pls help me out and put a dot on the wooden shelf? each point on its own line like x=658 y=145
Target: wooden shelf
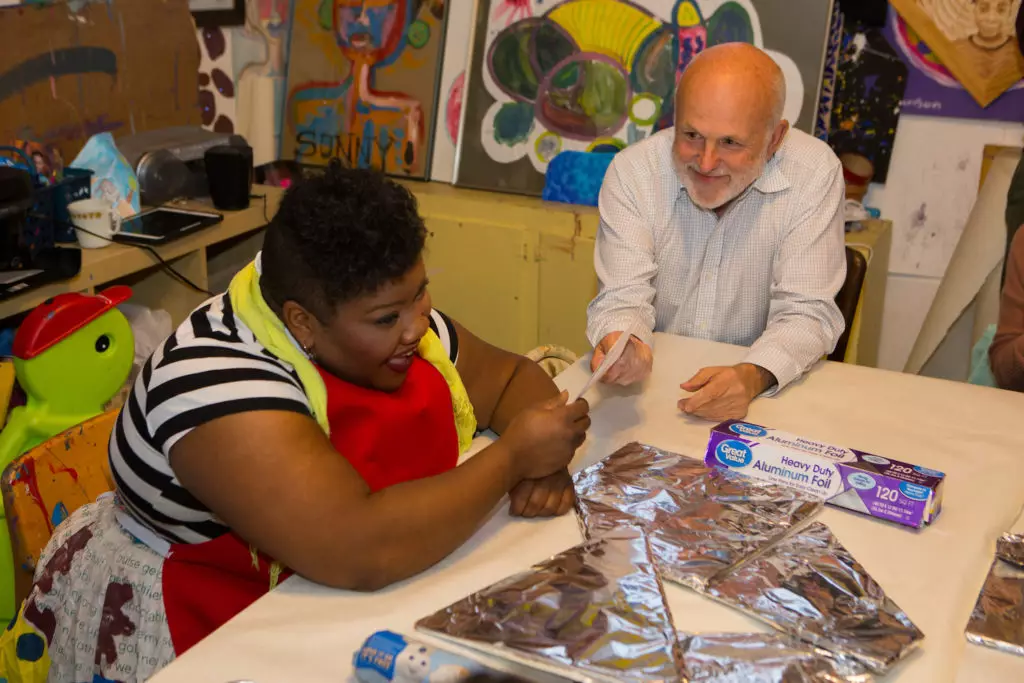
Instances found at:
x=153 y=286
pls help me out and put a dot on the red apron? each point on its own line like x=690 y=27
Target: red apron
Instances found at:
x=389 y=438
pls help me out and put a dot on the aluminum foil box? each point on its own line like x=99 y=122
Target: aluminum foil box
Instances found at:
x=870 y=484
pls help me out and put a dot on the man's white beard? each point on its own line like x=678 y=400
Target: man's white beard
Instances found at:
x=734 y=189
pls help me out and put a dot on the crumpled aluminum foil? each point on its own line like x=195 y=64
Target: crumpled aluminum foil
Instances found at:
x=700 y=522
x=597 y=609
x=1010 y=548
x=811 y=587
x=997 y=620
x=762 y=658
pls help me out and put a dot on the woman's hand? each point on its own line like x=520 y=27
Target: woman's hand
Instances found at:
x=551 y=496
x=543 y=439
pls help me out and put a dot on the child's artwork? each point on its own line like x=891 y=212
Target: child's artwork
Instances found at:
x=974 y=39
x=363 y=81
x=597 y=75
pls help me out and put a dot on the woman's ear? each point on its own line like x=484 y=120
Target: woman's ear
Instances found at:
x=301 y=323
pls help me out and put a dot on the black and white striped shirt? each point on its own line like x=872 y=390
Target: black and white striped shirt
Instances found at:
x=210 y=367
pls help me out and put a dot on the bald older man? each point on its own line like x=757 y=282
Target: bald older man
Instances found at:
x=729 y=228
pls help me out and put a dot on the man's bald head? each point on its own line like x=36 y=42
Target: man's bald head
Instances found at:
x=729 y=107
x=745 y=70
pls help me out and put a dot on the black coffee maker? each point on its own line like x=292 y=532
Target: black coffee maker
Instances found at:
x=16 y=199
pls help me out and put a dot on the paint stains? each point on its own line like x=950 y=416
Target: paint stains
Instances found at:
x=114 y=622
x=43 y=619
x=962 y=165
x=27 y=475
x=63 y=469
x=60 y=562
x=919 y=218
x=60 y=513
x=513 y=123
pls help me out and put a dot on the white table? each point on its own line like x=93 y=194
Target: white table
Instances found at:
x=306 y=632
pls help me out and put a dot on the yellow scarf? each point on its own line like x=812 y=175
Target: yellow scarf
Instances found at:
x=248 y=303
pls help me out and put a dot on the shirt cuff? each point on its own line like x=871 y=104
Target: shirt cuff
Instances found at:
x=619 y=323
x=776 y=361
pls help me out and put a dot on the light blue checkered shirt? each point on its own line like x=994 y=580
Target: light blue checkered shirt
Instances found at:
x=765 y=275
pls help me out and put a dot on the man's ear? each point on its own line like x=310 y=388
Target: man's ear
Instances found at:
x=301 y=323
x=778 y=135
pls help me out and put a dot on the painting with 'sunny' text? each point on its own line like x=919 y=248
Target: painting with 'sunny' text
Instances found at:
x=548 y=76
x=363 y=81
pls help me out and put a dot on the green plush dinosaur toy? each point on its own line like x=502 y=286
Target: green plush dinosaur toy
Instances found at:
x=72 y=353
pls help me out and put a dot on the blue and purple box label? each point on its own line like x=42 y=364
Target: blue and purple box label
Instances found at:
x=870 y=484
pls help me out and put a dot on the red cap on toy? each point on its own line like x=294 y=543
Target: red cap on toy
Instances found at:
x=57 y=318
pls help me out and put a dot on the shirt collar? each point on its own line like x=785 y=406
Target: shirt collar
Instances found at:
x=772 y=179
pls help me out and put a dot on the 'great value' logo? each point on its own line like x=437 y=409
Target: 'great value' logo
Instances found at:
x=744 y=429
x=733 y=453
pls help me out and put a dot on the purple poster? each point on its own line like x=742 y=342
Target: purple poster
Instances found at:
x=932 y=90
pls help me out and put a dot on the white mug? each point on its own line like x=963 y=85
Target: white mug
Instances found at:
x=95 y=222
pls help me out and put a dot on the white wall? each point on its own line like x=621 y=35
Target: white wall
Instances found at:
x=931 y=187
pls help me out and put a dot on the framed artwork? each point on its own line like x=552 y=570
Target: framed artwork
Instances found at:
x=458 y=44
x=872 y=82
x=363 y=80
x=548 y=76
x=931 y=88
x=974 y=40
x=214 y=13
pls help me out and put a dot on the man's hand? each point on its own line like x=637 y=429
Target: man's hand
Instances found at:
x=724 y=393
x=551 y=496
x=634 y=365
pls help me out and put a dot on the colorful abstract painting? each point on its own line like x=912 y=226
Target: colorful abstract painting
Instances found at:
x=871 y=83
x=363 y=81
x=596 y=75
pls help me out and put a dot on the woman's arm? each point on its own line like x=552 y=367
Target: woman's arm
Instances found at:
x=500 y=384
x=274 y=478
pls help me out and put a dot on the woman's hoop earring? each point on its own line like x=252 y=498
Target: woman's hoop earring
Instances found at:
x=308 y=350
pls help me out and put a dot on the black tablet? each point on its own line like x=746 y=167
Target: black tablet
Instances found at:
x=163 y=224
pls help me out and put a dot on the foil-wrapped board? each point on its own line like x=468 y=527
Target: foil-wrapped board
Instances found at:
x=997 y=620
x=596 y=612
x=700 y=521
x=809 y=586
